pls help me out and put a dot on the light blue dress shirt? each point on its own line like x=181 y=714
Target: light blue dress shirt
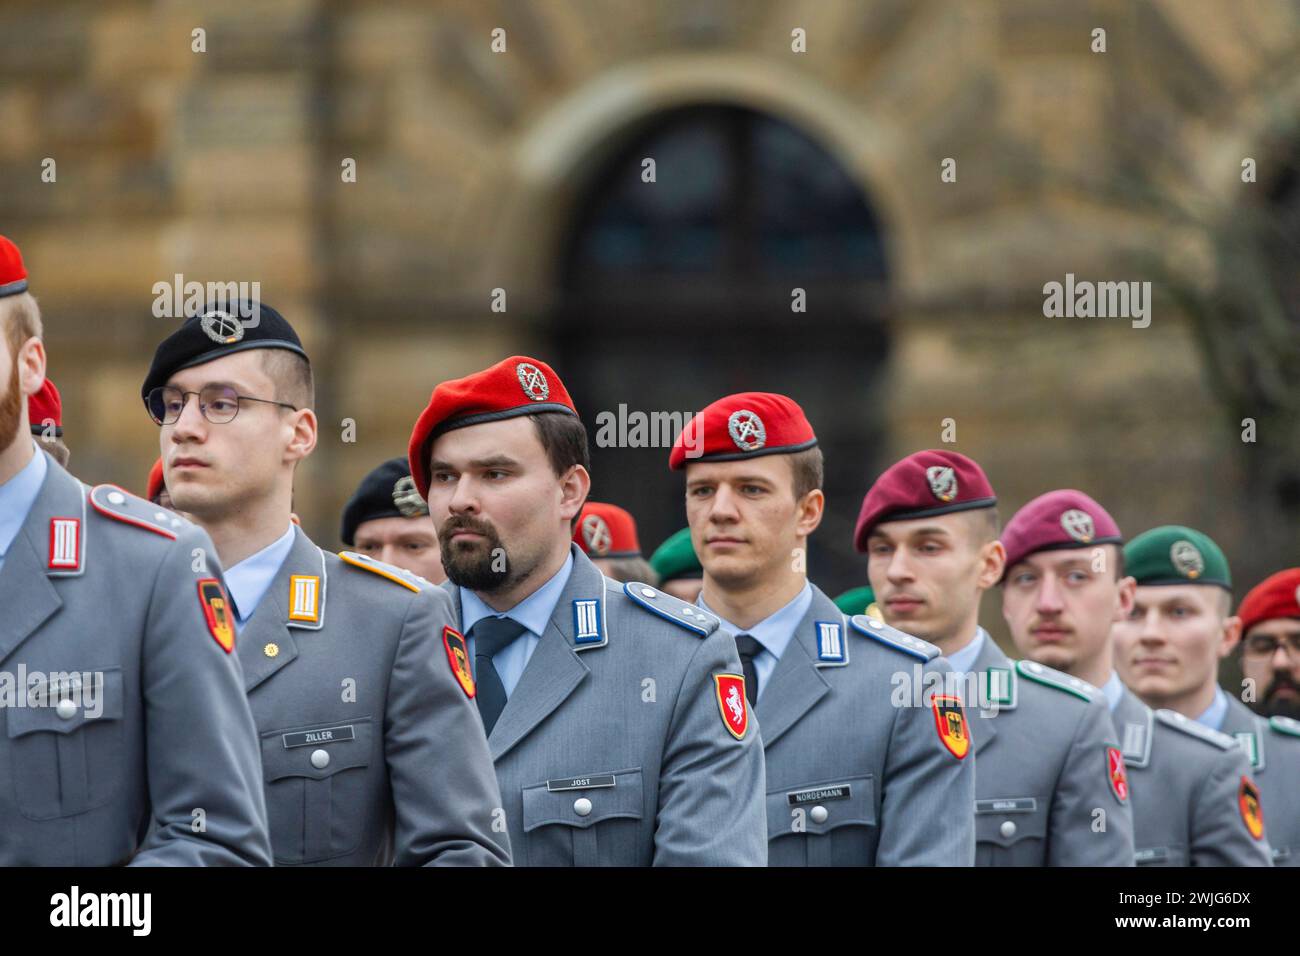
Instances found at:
x=773 y=633
x=17 y=495
x=963 y=660
x=533 y=612
x=248 y=580
x=1213 y=715
x=1114 y=691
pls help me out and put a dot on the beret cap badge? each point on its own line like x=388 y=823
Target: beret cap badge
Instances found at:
x=943 y=482
x=1187 y=559
x=222 y=327
x=746 y=430
x=1078 y=525
x=533 y=381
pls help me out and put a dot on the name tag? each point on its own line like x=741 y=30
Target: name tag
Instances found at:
x=580 y=783
x=1155 y=854
x=841 y=791
x=323 y=735
x=1009 y=805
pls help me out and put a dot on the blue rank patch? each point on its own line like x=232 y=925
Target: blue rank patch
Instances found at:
x=587 y=622
x=830 y=642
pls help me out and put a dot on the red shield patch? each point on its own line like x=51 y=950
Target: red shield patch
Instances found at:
x=216 y=611
x=458 y=657
x=950 y=721
x=732 y=703
x=1117 y=774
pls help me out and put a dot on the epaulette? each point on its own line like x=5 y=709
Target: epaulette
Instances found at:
x=115 y=502
x=684 y=615
x=1050 y=677
x=1285 y=725
x=882 y=633
x=1171 y=718
x=407 y=579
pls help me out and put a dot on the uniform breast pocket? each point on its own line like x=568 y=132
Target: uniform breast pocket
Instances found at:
x=1161 y=856
x=830 y=823
x=315 y=788
x=1010 y=831
x=67 y=744
x=588 y=820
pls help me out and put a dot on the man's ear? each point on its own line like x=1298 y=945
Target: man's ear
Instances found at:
x=574 y=488
x=1231 y=635
x=31 y=367
x=810 y=509
x=1127 y=596
x=304 y=437
x=993 y=559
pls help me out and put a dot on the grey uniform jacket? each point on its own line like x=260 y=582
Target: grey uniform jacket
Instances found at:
x=149 y=753
x=613 y=748
x=1186 y=790
x=858 y=775
x=1043 y=783
x=371 y=752
x=1273 y=746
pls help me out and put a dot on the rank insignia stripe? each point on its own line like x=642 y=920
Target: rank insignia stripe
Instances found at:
x=304 y=598
x=458 y=658
x=216 y=612
x=588 y=623
x=732 y=705
x=1117 y=774
x=65 y=543
x=1252 y=814
x=831 y=649
x=950 y=722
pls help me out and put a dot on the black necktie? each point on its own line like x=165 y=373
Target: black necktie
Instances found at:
x=491 y=636
x=749 y=648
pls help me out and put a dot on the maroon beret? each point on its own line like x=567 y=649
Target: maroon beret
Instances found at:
x=744 y=425
x=518 y=385
x=922 y=485
x=1059 y=519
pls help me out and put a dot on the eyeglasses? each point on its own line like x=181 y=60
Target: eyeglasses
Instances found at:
x=1265 y=645
x=219 y=404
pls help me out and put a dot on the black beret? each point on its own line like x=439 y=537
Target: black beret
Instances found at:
x=218 y=331
x=387 y=492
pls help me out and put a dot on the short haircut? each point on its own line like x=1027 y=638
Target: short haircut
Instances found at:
x=21 y=317
x=292 y=376
x=1119 y=561
x=564 y=438
x=984 y=524
x=808 y=471
x=632 y=569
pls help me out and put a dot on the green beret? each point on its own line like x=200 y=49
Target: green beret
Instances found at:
x=856 y=600
x=1173 y=554
x=675 y=558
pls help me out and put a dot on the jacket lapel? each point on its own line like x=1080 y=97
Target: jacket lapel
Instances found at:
x=271 y=628
x=999 y=686
x=796 y=684
x=27 y=595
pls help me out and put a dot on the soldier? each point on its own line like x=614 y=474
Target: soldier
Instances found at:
x=1063 y=590
x=371 y=751
x=854 y=777
x=1167 y=652
x=45 y=411
x=616 y=715
x=131 y=710
x=607 y=534
x=386 y=519
x=1270 y=621
x=929 y=527
x=678 y=567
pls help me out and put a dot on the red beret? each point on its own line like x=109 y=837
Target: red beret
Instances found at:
x=518 y=385
x=606 y=531
x=45 y=405
x=155 y=483
x=745 y=425
x=923 y=484
x=1057 y=520
x=1275 y=596
x=13 y=274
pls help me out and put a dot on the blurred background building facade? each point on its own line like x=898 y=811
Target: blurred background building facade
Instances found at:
x=515 y=178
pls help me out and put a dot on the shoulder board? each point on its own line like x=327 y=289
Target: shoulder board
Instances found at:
x=1050 y=677
x=882 y=633
x=407 y=579
x=1171 y=718
x=117 y=503
x=1285 y=725
x=673 y=609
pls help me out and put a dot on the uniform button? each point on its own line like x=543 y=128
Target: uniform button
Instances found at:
x=320 y=759
x=66 y=709
x=116 y=497
x=582 y=806
x=818 y=814
x=1008 y=829
x=160 y=516
x=271 y=649
x=648 y=592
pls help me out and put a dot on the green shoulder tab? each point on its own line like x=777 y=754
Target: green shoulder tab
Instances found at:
x=390 y=572
x=882 y=633
x=664 y=605
x=1285 y=725
x=1050 y=677
x=1171 y=718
